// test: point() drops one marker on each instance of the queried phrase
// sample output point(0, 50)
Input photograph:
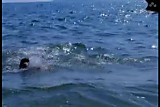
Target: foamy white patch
point(37, 62)
point(154, 46)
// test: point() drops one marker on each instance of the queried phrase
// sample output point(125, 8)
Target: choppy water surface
point(99, 53)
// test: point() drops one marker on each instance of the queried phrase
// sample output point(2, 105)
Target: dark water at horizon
point(99, 53)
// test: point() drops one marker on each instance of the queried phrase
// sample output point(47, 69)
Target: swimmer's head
point(24, 63)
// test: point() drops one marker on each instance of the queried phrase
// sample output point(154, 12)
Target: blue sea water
point(91, 53)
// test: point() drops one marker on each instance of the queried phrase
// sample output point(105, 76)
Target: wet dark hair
point(23, 63)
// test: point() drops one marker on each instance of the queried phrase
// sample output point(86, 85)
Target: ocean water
point(91, 53)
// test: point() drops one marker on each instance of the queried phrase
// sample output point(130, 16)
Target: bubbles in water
point(104, 15)
point(147, 59)
point(140, 97)
point(142, 11)
point(154, 46)
point(127, 16)
point(130, 39)
point(91, 49)
point(66, 50)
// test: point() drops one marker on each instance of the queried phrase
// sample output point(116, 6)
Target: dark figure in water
point(152, 5)
point(24, 63)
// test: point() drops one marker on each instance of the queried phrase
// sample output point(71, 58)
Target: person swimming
point(32, 63)
point(24, 63)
